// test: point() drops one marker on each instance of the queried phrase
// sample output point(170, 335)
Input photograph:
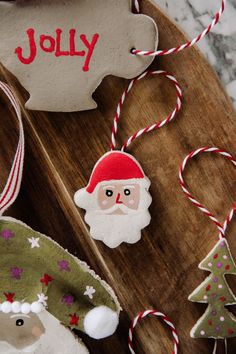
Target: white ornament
point(34, 242)
point(89, 292)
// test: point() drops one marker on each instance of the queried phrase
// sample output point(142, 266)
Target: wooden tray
point(61, 149)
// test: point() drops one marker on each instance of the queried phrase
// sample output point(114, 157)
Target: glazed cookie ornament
point(117, 198)
point(60, 51)
point(45, 292)
point(217, 322)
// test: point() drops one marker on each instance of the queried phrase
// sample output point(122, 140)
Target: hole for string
point(132, 51)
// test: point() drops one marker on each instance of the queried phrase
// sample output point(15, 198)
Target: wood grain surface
point(161, 270)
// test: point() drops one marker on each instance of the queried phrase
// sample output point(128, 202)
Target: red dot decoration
point(215, 256)
point(208, 287)
point(227, 267)
point(210, 322)
point(230, 331)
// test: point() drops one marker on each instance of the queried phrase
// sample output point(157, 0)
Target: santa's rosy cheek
point(131, 202)
point(104, 202)
point(36, 331)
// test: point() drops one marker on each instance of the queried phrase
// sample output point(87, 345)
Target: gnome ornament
point(45, 292)
point(117, 198)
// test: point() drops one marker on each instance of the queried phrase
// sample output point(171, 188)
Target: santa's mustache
point(125, 209)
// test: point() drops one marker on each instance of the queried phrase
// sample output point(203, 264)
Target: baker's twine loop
point(13, 184)
point(185, 45)
point(228, 156)
point(151, 127)
point(164, 318)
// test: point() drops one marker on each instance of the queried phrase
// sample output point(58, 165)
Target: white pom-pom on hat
point(25, 308)
point(6, 307)
point(101, 322)
point(16, 307)
point(36, 307)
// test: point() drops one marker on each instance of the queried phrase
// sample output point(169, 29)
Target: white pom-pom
point(6, 307)
point(36, 307)
point(25, 308)
point(16, 307)
point(101, 322)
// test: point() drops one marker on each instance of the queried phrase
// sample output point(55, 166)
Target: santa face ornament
point(116, 200)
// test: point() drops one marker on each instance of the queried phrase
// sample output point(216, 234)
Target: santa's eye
point(19, 322)
point(109, 193)
point(127, 191)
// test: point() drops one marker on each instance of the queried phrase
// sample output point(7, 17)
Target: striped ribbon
point(143, 314)
point(154, 126)
point(185, 45)
point(12, 187)
point(228, 156)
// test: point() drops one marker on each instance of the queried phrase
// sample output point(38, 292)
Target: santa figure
point(116, 199)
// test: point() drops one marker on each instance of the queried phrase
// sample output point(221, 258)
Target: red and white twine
point(136, 6)
point(187, 44)
point(228, 156)
point(12, 187)
point(143, 314)
point(154, 126)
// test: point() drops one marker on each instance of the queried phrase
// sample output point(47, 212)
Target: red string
point(143, 314)
point(154, 126)
point(187, 44)
point(228, 156)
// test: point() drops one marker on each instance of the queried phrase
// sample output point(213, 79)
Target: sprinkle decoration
point(187, 44)
point(12, 187)
point(140, 316)
point(154, 126)
point(228, 156)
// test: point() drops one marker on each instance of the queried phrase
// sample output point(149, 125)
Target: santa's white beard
point(57, 339)
point(117, 228)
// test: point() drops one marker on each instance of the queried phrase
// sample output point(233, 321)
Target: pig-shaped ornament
point(60, 50)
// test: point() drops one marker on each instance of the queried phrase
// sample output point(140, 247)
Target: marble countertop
point(219, 46)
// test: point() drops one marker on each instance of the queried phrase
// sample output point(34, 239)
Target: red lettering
point(72, 45)
point(52, 43)
point(33, 49)
point(59, 52)
point(90, 47)
point(49, 44)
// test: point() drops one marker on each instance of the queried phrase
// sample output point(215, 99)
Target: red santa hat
point(115, 165)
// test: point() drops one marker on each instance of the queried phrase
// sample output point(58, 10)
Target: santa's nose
point(118, 201)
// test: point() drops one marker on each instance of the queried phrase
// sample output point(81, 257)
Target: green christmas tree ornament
point(217, 322)
point(45, 292)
